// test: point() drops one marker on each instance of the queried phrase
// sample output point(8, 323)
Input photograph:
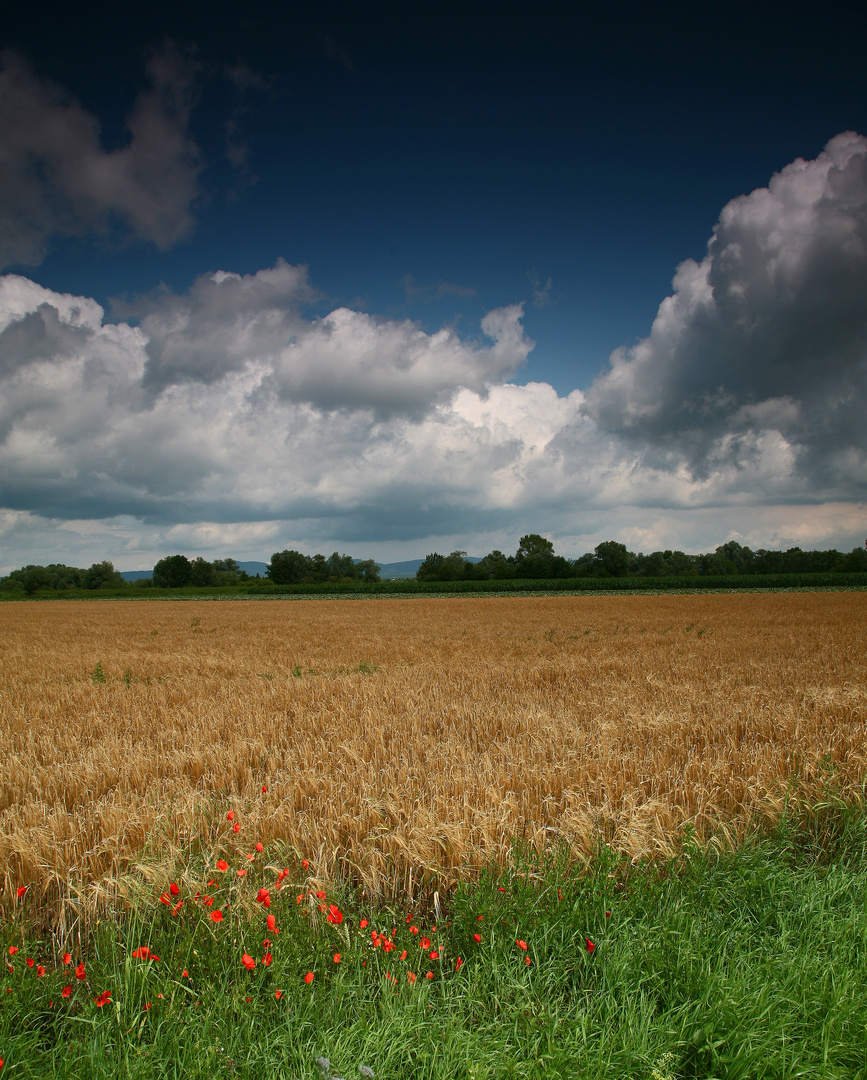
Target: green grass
point(818, 581)
point(744, 964)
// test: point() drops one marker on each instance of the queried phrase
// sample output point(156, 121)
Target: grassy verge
point(749, 963)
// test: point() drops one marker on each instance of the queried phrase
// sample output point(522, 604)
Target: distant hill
point(252, 568)
point(387, 571)
point(391, 570)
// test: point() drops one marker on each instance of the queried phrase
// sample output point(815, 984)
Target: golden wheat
point(406, 742)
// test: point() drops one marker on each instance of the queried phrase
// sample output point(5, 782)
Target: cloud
point(758, 360)
point(541, 293)
point(426, 294)
point(57, 180)
point(229, 411)
point(225, 322)
point(347, 360)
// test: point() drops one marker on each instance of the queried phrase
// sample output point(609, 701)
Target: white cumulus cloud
point(761, 350)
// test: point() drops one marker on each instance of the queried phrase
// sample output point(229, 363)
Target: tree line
point(179, 572)
point(535, 558)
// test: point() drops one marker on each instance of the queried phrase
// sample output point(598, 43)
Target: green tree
point(367, 570)
point(202, 573)
point(103, 575)
point(173, 572)
point(497, 565)
point(612, 559)
point(430, 567)
point(288, 567)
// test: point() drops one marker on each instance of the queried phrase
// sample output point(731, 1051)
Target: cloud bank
point(229, 420)
point(760, 354)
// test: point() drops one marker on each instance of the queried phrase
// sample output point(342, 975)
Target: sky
point(391, 279)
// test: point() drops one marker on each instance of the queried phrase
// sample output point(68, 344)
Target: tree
point(102, 576)
point(612, 559)
point(202, 573)
point(173, 572)
point(430, 567)
point(497, 565)
point(367, 570)
point(288, 567)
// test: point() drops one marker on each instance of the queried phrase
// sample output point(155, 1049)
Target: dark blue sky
point(464, 146)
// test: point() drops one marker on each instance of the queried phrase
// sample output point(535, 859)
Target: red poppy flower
point(308, 978)
point(177, 907)
point(304, 864)
point(66, 991)
point(429, 975)
point(278, 994)
point(30, 962)
point(262, 895)
point(248, 961)
point(559, 894)
point(522, 945)
point(264, 789)
point(141, 953)
point(425, 943)
point(337, 958)
point(217, 916)
point(166, 899)
point(335, 915)
point(590, 945)
point(267, 959)
point(413, 929)
point(13, 949)
point(410, 976)
point(271, 923)
point(241, 873)
point(230, 816)
point(40, 971)
point(174, 889)
point(458, 964)
point(607, 914)
point(527, 961)
point(79, 972)
point(260, 847)
point(403, 955)
point(185, 974)
point(477, 938)
point(320, 895)
point(22, 889)
point(434, 955)
point(222, 864)
point(103, 998)
point(236, 827)
point(362, 924)
point(207, 901)
point(67, 959)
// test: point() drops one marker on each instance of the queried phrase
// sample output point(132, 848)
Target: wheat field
point(405, 743)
